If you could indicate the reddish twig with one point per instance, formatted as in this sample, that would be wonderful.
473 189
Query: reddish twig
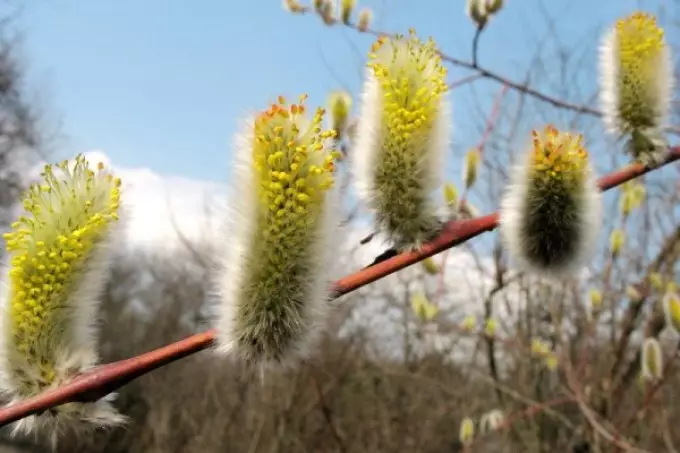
488 129
108 378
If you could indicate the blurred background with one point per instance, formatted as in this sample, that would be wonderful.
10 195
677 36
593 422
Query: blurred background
156 89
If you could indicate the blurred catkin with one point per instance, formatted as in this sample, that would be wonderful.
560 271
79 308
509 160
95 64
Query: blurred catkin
550 214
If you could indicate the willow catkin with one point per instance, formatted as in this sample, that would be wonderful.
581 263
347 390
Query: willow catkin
273 278
550 214
402 139
636 85
59 254
651 359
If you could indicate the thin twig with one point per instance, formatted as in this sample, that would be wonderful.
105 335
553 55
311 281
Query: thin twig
328 416
521 87
634 309
614 438
475 44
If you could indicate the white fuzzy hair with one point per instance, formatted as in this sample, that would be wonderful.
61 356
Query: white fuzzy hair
368 144
512 217
77 349
609 84
491 420
609 76
230 268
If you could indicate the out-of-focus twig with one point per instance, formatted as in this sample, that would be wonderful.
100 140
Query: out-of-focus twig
634 308
613 437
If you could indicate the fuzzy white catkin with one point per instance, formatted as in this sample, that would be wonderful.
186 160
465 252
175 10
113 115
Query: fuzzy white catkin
636 84
652 359
273 277
550 214
491 421
402 139
59 254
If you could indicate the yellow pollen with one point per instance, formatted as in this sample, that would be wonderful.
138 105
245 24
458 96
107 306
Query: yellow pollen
413 80
293 164
48 246
558 156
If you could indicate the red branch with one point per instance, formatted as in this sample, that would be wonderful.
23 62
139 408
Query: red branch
105 379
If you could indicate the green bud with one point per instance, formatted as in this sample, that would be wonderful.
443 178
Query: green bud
423 308
656 281
493 6
595 299
365 18
652 359
616 241
430 266
346 8
470 168
450 194
467 431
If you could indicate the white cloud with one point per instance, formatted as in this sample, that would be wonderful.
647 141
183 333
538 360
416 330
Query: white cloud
95 156
163 209
157 207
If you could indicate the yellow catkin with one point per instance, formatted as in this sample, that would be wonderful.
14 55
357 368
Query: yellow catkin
281 158
292 170
65 216
640 45
411 91
558 156
412 84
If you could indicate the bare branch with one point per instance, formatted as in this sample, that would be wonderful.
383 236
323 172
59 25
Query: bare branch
107 378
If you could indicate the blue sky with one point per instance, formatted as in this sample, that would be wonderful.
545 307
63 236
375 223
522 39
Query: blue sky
162 83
